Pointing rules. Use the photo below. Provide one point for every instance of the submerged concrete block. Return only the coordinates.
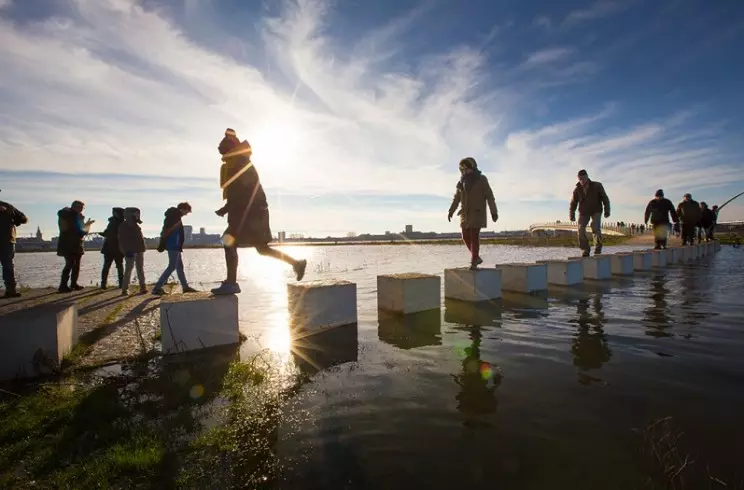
(322, 304)
(524, 278)
(408, 293)
(564, 272)
(659, 259)
(621, 264)
(472, 285)
(34, 340)
(642, 260)
(597, 267)
(198, 321)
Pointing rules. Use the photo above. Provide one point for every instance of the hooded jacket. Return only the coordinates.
(111, 235)
(591, 200)
(172, 235)
(10, 217)
(473, 192)
(71, 232)
(131, 240)
(689, 212)
(659, 210)
(707, 218)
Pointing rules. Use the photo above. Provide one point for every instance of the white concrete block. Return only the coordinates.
(33, 341)
(711, 248)
(621, 265)
(472, 285)
(659, 259)
(702, 250)
(597, 267)
(408, 293)
(524, 278)
(198, 321)
(674, 256)
(322, 304)
(695, 251)
(687, 254)
(642, 260)
(564, 272)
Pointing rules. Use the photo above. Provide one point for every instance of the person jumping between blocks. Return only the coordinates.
(247, 211)
(591, 199)
(473, 193)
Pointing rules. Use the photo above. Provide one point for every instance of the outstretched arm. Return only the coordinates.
(647, 214)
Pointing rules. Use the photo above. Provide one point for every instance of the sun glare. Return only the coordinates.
(276, 143)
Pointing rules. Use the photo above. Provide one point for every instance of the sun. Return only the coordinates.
(277, 143)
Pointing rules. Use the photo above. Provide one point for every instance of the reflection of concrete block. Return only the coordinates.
(642, 260)
(597, 267)
(33, 341)
(658, 259)
(322, 304)
(564, 272)
(621, 265)
(476, 285)
(198, 321)
(524, 278)
(674, 256)
(482, 313)
(323, 349)
(411, 331)
(408, 293)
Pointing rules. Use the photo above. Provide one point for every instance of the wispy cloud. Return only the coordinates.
(543, 21)
(114, 88)
(597, 10)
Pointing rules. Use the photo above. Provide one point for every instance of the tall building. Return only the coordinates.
(39, 236)
(282, 236)
(188, 233)
(202, 231)
(409, 229)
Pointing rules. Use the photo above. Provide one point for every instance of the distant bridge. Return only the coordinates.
(606, 229)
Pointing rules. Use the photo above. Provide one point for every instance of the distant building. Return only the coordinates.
(39, 236)
(282, 236)
(188, 233)
(409, 229)
(202, 231)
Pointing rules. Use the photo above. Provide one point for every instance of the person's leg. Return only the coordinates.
(139, 261)
(182, 273)
(657, 236)
(63, 286)
(298, 265)
(75, 273)
(107, 261)
(466, 237)
(7, 255)
(475, 245)
(129, 265)
(119, 269)
(597, 232)
(230, 285)
(583, 239)
(166, 273)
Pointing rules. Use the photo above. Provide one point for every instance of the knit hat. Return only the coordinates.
(582, 173)
(229, 142)
(659, 193)
(133, 212)
(688, 195)
(468, 162)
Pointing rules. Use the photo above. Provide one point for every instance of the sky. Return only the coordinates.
(358, 112)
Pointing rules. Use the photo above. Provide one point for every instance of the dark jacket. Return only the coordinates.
(131, 240)
(111, 237)
(10, 217)
(659, 210)
(71, 232)
(689, 212)
(592, 201)
(247, 207)
(707, 218)
(474, 193)
(172, 235)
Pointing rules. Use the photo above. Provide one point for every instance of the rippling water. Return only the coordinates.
(512, 395)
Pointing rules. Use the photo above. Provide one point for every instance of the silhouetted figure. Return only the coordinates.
(478, 380)
(172, 238)
(110, 248)
(707, 222)
(473, 193)
(247, 211)
(715, 221)
(589, 346)
(658, 210)
(72, 230)
(591, 199)
(132, 245)
(10, 217)
(689, 214)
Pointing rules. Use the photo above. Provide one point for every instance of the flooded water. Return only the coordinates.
(545, 394)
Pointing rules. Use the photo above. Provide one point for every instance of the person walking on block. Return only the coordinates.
(658, 210)
(72, 230)
(172, 238)
(247, 211)
(707, 222)
(591, 199)
(10, 217)
(110, 249)
(473, 193)
(132, 246)
(689, 214)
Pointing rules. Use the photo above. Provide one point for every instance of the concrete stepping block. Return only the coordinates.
(408, 293)
(472, 285)
(711, 246)
(659, 259)
(674, 256)
(695, 251)
(687, 254)
(33, 341)
(198, 321)
(642, 260)
(319, 305)
(621, 265)
(596, 267)
(717, 245)
(524, 278)
(564, 272)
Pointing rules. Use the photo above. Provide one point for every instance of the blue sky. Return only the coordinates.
(358, 112)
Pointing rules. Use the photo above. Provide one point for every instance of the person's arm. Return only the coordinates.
(491, 200)
(675, 216)
(647, 214)
(605, 200)
(679, 211)
(455, 201)
(573, 205)
(18, 217)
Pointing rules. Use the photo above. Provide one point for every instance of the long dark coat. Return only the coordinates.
(70, 241)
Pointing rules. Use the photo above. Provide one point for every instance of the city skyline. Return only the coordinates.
(358, 113)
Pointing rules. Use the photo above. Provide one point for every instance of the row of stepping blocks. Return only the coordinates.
(193, 322)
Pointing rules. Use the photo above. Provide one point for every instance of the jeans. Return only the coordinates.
(108, 260)
(471, 237)
(596, 220)
(7, 254)
(175, 263)
(688, 233)
(661, 235)
(139, 261)
(71, 270)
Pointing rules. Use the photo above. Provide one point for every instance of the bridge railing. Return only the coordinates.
(626, 229)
